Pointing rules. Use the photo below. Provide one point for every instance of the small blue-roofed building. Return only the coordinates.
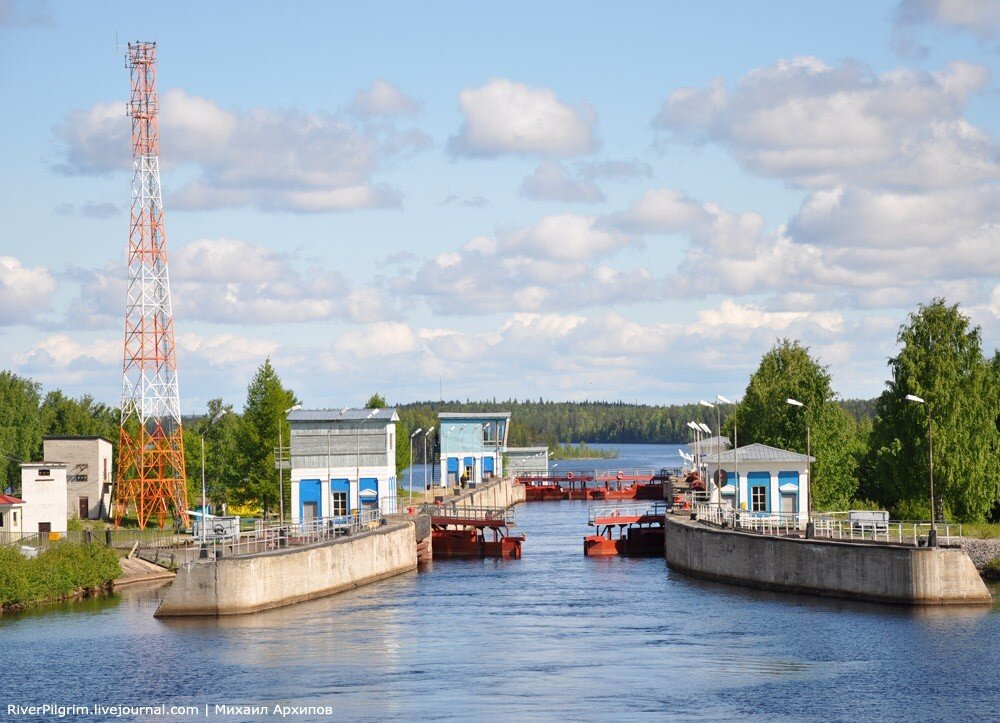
(771, 480)
(472, 446)
(342, 461)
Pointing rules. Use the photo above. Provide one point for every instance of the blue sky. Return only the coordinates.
(567, 200)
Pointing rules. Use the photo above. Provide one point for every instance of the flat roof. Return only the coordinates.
(526, 450)
(43, 464)
(474, 415)
(70, 437)
(344, 415)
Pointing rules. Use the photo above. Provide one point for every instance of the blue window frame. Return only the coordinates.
(760, 491)
(310, 498)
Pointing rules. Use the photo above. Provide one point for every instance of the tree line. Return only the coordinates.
(868, 452)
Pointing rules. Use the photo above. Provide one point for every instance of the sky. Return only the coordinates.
(612, 201)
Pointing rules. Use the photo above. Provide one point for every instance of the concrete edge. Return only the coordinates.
(326, 592)
(820, 592)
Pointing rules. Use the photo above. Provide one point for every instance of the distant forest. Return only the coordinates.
(549, 423)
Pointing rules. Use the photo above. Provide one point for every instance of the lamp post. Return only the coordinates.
(415, 433)
(932, 537)
(736, 464)
(446, 450)
(204, 501)
(357, 456)
(810, 525)
(697, 445)
(718, 442)
(281, 474)
(427, 485)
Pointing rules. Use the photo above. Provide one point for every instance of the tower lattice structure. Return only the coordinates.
(151, 474)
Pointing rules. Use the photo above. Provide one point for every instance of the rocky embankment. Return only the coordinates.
(981, 550)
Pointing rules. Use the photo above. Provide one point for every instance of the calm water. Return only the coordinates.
(551, 635)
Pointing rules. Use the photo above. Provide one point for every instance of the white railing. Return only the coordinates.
(269, 537)
(832, 526)
(652, 509)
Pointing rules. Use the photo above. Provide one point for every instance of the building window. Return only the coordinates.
(339, 503)
(2, 516)
(44, 473)
(758, 498)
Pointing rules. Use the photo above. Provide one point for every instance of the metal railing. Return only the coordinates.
(120, 539)
(652, 509)
(483, 514)
(831, 526)
(266, 538)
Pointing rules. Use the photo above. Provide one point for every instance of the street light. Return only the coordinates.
(932, 537)
(281, 474)
(736, 463)
(810, 525)
(697, 444)
(418, 431)
(427, 485)
(204, 502)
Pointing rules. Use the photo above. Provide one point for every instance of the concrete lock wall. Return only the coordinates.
(231, 586)
(496, 493)
(881, 573)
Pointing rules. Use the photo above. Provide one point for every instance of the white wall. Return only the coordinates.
(745, 467)
(386, 476)
(44, 497)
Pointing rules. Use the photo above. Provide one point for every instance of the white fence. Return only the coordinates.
(833, 526)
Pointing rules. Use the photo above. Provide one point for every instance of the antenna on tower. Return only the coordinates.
(151, 474)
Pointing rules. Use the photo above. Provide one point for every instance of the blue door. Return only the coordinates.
(310, 495)
(488, 466)
(788, 498)
(453, 470)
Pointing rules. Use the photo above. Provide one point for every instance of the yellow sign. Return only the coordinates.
(54, 536)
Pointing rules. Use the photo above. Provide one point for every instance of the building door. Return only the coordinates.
(760, 491)
(788, 503)
(310, 492)
(487, 467)
(310, 511)
(84, 508)
(44, 528)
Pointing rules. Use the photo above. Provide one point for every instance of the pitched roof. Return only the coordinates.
(757, 452)
(9, 500)
(474, 415)
(344, 415)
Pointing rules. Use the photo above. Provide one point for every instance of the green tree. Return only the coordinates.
(62, 415)
(257, 437)
(376, 401)
(222, 477)
(20, 426)
(940, 360)
(789, 371)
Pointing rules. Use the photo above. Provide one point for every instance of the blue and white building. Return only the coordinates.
(342, 461)
(771, 480)
(472, 445)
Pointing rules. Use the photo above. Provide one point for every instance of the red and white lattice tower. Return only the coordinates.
(151, 475)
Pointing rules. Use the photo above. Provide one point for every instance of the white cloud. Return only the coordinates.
(270, 159)
(551, 181)
(981, 17)
(233, 281)
(548, 265)
(567, 237)
(818, 126)
(507, 117)
(382, 99)
(24, 291)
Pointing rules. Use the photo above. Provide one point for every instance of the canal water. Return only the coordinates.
(553, 635)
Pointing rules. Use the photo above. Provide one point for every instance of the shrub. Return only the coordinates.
(57, 572)
(991, 570)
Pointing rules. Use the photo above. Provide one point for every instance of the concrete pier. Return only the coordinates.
(878, 572)
(247, 584)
